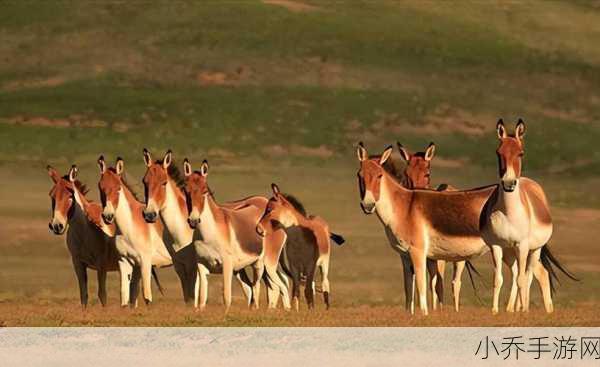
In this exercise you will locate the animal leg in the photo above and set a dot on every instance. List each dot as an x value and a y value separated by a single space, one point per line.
246 285
134 286
146 269
432 270
203 277
439 285
309 290
522 281
81 273
102 286
497 258
543 277
407 269
419 261
258 268
125 273
227 278
324 267
459 267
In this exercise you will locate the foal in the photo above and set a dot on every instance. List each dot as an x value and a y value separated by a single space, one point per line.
282 211
143 243
90 241
231 230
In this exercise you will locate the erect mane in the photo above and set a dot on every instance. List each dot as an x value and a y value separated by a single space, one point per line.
127 185
78 184
175 174
296 204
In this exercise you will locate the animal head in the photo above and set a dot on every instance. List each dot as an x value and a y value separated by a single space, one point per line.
418 167
62 199
110 186
155 185
278 212
370 173
196 190
510 155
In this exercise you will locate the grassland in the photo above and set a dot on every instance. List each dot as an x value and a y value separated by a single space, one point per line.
282 91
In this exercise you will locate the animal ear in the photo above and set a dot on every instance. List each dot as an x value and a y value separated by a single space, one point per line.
167 159
73 173
204 168
119 166
501 130
102 164
361 152
520 129
386 154
430 152
147 158
275 189
187 167
403 152
54 176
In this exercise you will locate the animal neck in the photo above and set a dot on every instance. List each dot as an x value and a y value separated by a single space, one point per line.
126 210
211 219
393 200
510 202
173 214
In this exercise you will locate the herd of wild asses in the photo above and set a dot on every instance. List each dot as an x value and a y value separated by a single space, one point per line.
180 223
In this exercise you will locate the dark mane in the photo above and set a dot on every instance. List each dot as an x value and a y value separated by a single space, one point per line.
127 185
175 174
78 184
296 204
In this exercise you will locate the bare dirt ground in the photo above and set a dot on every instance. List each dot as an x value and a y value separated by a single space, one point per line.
38 287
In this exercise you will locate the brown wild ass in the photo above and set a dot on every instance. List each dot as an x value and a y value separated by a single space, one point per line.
145 244
285 211
165 195
89 240
517 225
424 223
231 230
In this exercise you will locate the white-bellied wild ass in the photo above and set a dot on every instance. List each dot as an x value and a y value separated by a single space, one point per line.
165 195
143 243
232 230
90 241
425 223
285 211
417 175
516 223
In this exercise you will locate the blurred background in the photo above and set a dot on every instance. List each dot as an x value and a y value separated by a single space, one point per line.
281 91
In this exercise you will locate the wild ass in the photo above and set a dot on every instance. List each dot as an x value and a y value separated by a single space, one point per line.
143 243
417 175
231 230
90 242
285 211
517 225
165 195
424 223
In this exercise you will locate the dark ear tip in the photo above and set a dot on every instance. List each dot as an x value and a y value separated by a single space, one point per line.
500 121
101 158
205 162
389 147
399 144
360 144
146 151
48 167
169 151
431 144
185 160
521 121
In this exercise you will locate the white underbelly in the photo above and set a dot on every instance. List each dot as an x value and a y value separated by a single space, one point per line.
455 248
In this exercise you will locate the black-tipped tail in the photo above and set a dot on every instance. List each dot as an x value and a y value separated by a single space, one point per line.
549 261
339 240
471 269
155 276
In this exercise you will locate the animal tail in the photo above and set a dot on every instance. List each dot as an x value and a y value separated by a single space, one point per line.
155 276
549 261
339 240
470 270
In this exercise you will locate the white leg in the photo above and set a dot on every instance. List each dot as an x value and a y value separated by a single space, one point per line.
522 281
514 303
203 277
125 272
497 257
246 286
459 267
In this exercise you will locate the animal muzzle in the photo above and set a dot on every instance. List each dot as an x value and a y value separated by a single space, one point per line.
108 218
150 216
367 208
193 222
509 185
57 227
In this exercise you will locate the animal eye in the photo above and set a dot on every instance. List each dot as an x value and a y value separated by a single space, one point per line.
164 183
380 176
